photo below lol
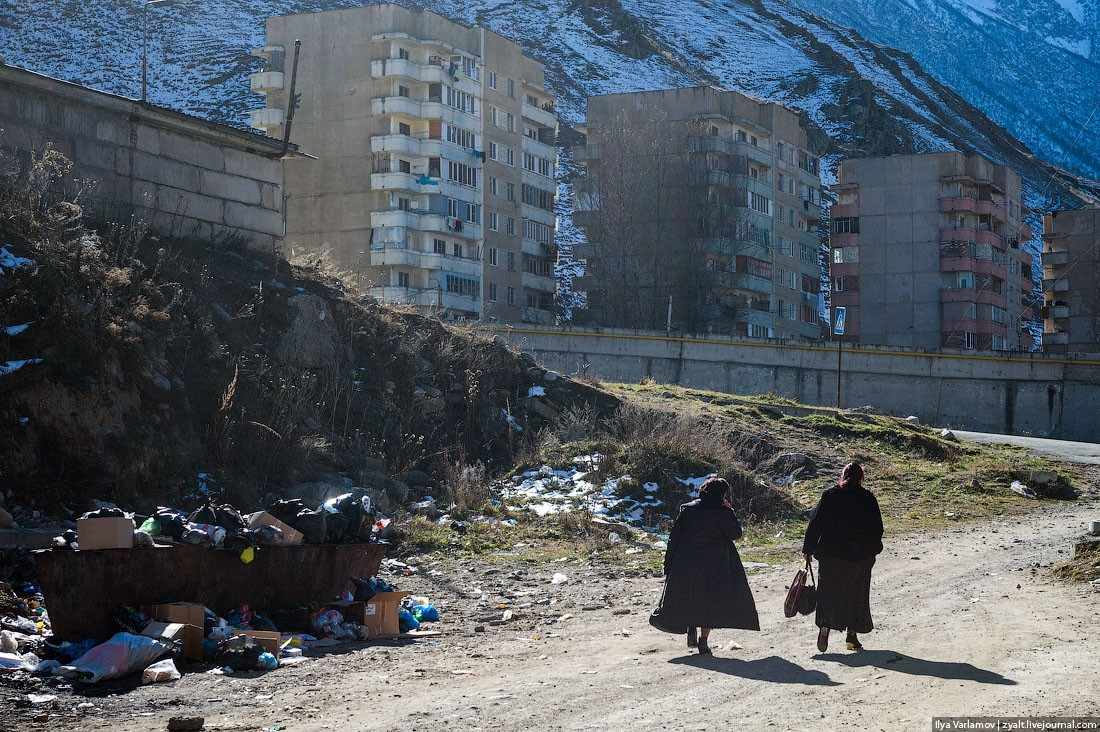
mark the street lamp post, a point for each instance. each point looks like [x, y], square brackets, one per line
[145, 40]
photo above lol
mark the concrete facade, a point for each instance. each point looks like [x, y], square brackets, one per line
[182, 175]
[434, 178]
[926, 252]
[1071, 281]
[705, 197]
[1033, 394]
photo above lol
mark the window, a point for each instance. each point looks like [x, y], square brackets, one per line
[403, 204]
[402, 91]
[464, 174]
[492, 292]
[511, 296]
[452, 208]
[786, 247]
[996, 314]
[456, 249]
[760, 203]
[404, 129]
[532, 100]
[494, 186]
[847, 283]
[510, 226]
[493, 256]
[402, 279]
[536, 231]
[470, 68]
[787, 310]
[511, 89]
[492, 80]
[970, 340]
[511, 262]
[740, 136]
[492, 221]
[510, 191]
[807, 314]
[845, 225]
[809, 253]
[461, 101]
[786, 278]
[461, 137]
[838, 256]
[404, 166]
[538, 197]
[462, 285]
[473, 213]
[510, 159]
[439, 246]
[537, 164]
[759, 331]
[403, 53]
[536, 266]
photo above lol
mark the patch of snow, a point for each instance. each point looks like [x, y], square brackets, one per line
[11, 366]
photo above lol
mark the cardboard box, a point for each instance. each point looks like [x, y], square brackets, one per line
[269, 639]
[104, 533]
[263, 518]
[188, 613]
[351, 609]
[190, 635]
[380, 615]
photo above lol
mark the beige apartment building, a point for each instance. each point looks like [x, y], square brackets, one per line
[702, 212]
[927, 252]
[1071, 281]
[433, 181]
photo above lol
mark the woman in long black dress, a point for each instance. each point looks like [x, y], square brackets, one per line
[705, 582]
[845, 534]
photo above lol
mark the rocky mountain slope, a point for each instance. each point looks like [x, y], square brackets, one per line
[871, 99]
[1032, 66]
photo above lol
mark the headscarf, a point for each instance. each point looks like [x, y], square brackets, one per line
[713, 492]
[851, 476]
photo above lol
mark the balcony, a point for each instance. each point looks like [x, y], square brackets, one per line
[1055, 339]
[586, 153]
[438, 110]
[586, 283]
[1056, 285]
[958, 203]
[747, 182]
[265, 119]
[394, 217]
[811, 209]
[990, 237]
[752, 152]
[401, 144]
[541, 117]
[844, 210]
[743, 281]
[585, 250]
[1054, 259]
[265, 81]
[586, 218]
[539, 283]
[710, 143]
[1058, 312]
[395, 68]
[990, 208]
[395, 105]
[394, 181]
[394, 258]
[709, 177]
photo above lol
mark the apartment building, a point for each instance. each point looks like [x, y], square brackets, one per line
[433, 181]
[1071, 281]
[701, 209]
[927, 252]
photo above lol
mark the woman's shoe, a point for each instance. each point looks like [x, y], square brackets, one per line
[823, 640]
[704, 649]
[693, 637]
[852, 643]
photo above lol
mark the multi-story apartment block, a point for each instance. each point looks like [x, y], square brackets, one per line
[434, 173]
[701, 209]
[1071, 281]
[927, 252]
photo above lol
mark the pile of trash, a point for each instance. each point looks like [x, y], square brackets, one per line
[156, 640]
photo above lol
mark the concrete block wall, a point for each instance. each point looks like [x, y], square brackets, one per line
[182, 175]
[1043, 395]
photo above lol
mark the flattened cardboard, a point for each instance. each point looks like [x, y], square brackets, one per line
[188, 613]
[291, 536]
[104, 533]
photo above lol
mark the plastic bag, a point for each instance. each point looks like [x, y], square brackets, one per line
[222, 515]
[160, 671]
[239, 653]
[123, 654]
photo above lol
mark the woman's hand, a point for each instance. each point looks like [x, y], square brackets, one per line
[807, 558]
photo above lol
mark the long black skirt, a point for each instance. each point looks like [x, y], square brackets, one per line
[844, 594]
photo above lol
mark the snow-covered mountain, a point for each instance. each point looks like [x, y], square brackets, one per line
[1033, 66]
[871, 99]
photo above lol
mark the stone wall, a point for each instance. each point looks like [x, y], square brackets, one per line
[1043, 395]
[182, 175]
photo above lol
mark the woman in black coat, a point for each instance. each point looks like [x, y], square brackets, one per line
[705, 582]
[845, 534]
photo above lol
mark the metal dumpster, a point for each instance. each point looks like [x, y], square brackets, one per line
[83, 588]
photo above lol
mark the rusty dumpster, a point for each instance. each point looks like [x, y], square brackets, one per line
[82, 589]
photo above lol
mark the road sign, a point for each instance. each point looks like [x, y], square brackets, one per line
[838, 320]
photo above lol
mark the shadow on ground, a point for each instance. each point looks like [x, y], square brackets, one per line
[894, 661]
[772, 668]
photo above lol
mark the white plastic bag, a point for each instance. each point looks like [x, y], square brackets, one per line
[160, 671]
[124, 653]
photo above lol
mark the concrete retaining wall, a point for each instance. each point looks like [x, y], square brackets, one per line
[1036, 394]
[182, 175]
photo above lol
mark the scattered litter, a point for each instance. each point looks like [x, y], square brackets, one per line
[1023, 490]
[559, 578]
[41, 698]
[160, 671]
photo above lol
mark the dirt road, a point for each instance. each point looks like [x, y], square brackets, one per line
[969, 622]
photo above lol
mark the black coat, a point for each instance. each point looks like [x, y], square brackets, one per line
[846, 523]
[705, 582]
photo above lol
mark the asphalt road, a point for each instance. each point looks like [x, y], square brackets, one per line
[1075, 452]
